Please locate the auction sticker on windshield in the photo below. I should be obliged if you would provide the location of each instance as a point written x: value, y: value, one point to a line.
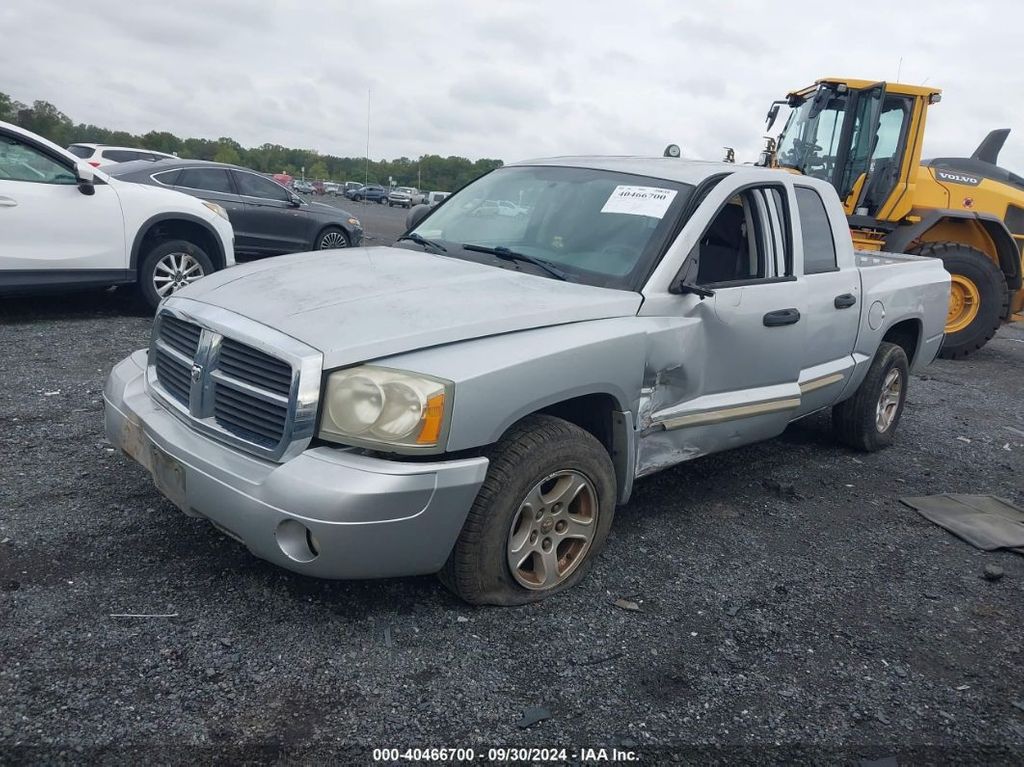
x: 639, y: 201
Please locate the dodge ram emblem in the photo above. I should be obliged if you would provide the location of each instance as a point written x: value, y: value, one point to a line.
x: 197, y: 373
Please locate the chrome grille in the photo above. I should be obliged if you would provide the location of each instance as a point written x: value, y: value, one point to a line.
x: 179, y: 335
x: 254, y: 367
x: 248, y: 417
x: 219, y: 372
x: 173, y: 376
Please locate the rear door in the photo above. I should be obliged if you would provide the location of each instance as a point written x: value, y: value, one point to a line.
x: 833, y: 299
x: 272, y: 219
x: 51, y: 233
x: 213, y: 184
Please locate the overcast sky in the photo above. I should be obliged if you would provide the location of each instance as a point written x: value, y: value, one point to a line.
x: 503, y: 79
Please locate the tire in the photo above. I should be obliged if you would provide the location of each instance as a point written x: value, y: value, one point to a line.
x: 382, y: 200
x: 549, y: 456
x: 973, y: 274
x: 859, y: 421
x: 357, y: 198
x: 161, y: 258
x: 331, y: 238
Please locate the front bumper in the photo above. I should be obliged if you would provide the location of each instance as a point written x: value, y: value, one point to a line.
x: 329, y: 513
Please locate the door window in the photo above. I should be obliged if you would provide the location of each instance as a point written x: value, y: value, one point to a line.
x: 252, y: 185
x: 747, y: 240
x: 123, y: 155
x: 21, y: 162
x: 816, y: 232
x: 208, y: 179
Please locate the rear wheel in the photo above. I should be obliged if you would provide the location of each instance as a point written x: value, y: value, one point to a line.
x: 868, y: 420
x: 170, y: 266
x: 978, y: 297
x: 540, y: 518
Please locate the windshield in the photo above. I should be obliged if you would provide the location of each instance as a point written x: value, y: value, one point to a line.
x: 598, y: 227
x: 810, y: 141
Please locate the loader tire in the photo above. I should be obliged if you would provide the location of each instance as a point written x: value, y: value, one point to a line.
x: 979, y: 298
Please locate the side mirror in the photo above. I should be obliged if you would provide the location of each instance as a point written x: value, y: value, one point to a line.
x: 86, y: 178
x: 683, y: 283
x: 416, y: 215
x: 295, y: 201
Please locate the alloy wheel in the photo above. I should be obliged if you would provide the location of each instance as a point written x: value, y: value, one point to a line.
x: 553, y: 529
x: 889, y: 400
x: 174, y: 272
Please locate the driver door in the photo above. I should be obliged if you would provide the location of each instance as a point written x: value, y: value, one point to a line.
x: 741, y: 347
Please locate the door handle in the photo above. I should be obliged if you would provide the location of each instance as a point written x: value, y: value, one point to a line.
x: 7, y: 202
x: 781, y: 317
x: 845, y: 301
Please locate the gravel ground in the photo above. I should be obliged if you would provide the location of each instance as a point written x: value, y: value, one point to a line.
x: 789, y: 607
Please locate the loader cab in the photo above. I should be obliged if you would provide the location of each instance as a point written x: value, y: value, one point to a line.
x: 862, y: 137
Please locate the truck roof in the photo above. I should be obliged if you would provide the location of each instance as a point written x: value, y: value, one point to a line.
x: 668, y: 168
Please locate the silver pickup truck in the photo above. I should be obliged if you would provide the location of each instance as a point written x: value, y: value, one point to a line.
x: 476, y: 400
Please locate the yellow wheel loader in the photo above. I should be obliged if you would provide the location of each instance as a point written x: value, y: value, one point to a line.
x: 865, y: 139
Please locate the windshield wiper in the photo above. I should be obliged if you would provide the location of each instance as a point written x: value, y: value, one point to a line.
x: 510, y: 255
x: 421, y: 240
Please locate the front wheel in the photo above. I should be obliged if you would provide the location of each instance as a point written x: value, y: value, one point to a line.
x: 540, y: 518
x: 331, y: 239
x: 170, y: 266
x: 868, y: 420
x: 978, y: 297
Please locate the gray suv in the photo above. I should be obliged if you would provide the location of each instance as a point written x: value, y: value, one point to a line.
x: 268, y: 219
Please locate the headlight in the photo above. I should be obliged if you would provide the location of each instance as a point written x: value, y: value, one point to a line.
x: 354, y: 222
x: 219, y: 210
x: 375, y: 406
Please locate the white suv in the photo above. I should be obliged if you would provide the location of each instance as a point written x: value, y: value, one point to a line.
x: 101, y: 154
x: 64, y: 224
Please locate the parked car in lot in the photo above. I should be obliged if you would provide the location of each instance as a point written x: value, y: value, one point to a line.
x: 349, y: 186
x: 331, y: 187
x: 433, y: 198
x: 65, y: 224
x: 369, y: 193
x: 303, y: 187
x: 98, y: 155
x: 406, y: 196
x: 268, y: 219
x: 477, y: 399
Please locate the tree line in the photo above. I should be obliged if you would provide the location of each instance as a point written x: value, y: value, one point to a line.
x: 429, y: 171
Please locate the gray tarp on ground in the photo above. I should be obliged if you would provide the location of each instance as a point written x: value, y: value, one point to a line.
x: 984, y: 521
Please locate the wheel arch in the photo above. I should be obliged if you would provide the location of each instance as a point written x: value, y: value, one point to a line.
x: 324, y: 227
x: 906, y: 334
x: 602, y: 415
x: 164, y: 226
x: 986, y: 232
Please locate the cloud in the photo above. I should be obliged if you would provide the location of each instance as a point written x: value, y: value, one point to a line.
x: 507, y: 80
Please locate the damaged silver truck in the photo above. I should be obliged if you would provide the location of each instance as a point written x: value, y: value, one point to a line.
x: 476, y: 400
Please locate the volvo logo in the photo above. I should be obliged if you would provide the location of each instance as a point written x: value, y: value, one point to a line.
x: 958, y: 178
x: 197, y: 373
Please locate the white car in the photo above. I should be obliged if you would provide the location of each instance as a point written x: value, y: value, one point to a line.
x: 98, y: 155
x: 64, y: 224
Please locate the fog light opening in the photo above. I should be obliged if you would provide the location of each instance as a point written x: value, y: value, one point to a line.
x: 297, y: 541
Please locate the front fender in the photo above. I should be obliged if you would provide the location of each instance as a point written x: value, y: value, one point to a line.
x: 501, y: 379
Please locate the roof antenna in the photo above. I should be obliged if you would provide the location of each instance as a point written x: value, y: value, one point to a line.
x: 672, y: 150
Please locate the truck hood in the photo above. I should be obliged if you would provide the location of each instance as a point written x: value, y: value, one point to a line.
x: 360, y: 304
